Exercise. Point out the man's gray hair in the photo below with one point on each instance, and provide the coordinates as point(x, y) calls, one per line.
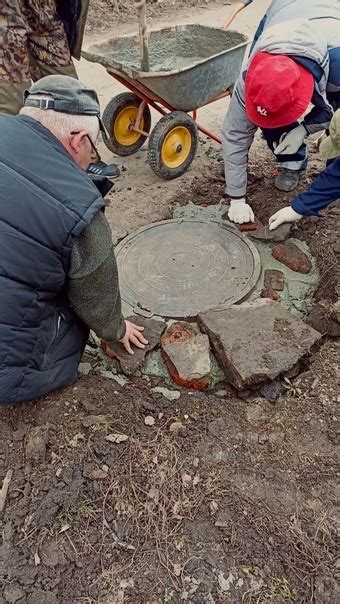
point(62, 124)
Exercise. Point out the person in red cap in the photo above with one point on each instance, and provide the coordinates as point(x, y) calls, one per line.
point(294, 63)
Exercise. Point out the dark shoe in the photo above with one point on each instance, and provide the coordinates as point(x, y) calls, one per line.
point(287, 180)
point(100, 168)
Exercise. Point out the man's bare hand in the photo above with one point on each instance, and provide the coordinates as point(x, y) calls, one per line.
point(133, 335)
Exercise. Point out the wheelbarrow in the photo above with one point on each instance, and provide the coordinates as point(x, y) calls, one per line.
point(190, 66)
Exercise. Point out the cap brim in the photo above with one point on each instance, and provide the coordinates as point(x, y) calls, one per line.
point(327, 149)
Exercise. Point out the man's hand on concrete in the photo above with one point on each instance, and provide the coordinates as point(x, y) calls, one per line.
point(133, 335)
point(290, 142)
point(287, 214)
point(240, 212)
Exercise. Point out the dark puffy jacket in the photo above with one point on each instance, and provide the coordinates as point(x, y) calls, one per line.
point(45, 203)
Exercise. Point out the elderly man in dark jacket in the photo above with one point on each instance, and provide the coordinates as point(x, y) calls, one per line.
point(39, 38)
point(58, 274)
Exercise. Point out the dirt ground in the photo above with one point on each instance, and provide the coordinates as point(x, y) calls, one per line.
point(105, 13)
point(238, 504)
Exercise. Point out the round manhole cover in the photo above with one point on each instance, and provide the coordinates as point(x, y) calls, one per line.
point(178, 268)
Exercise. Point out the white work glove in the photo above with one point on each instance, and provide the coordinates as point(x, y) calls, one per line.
point(290, 142)
point(240, 212)
point(287, 214)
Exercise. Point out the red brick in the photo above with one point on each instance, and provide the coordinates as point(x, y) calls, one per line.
point(178, 333)
point(249, 226)
point(274, 279)
point(270, 293)
point(291, 256)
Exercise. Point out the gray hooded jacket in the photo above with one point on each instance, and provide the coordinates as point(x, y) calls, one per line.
point(308, 29)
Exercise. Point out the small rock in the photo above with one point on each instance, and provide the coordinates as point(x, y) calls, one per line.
point(263, 439)
point(271, 294)
point(171, 395)
point(274, 279)
point(37, 559)
point(291, 256)
point(13, 593)
point(149, 420)
point(213, 506)
point(117, 438)
point(269, 472)
point(177, 570)
point(272, 390)
point(95, 420)
point(279, 234)
point(98, 474)
point(186, 478)
point(36, 442)
point(175, 427)
point(84, 368)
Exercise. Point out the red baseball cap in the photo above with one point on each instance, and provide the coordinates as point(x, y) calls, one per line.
point(278, 90)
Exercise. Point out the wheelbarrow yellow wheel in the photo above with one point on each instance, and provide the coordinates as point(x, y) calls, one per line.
point(119, 117)
point(172, 145)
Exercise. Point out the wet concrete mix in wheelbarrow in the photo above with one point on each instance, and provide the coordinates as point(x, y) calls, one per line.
point(174, 49)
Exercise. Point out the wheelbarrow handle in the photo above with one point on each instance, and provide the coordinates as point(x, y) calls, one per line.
point(236, 10)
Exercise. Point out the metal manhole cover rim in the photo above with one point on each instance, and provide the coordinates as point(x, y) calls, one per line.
point(253, 279)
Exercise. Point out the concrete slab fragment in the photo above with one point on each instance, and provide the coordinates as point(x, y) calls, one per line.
point(256, 341)
point(264, 234)
point(191, 358)
point(129, 364)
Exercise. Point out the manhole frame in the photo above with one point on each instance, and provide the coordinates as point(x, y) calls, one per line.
point(257, 268)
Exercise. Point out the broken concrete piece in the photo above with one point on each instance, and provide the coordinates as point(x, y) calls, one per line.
point(171, 395)
point(256, 341)
point(264, 234)
point(191, 358)
point(274, 279)
point(187, 356)
point(84, 368)
point(36, 443)
point(129, 363)
point(323, 320)
point(290, 255)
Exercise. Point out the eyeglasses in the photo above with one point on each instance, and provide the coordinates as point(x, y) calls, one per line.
point(95, 153)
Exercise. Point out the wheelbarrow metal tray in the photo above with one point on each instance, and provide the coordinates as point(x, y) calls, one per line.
point(190, 65)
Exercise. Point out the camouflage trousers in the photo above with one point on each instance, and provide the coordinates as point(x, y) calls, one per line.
point(33, 44)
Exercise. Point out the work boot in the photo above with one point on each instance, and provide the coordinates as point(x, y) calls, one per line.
point(100, 168)
point(287, 180)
